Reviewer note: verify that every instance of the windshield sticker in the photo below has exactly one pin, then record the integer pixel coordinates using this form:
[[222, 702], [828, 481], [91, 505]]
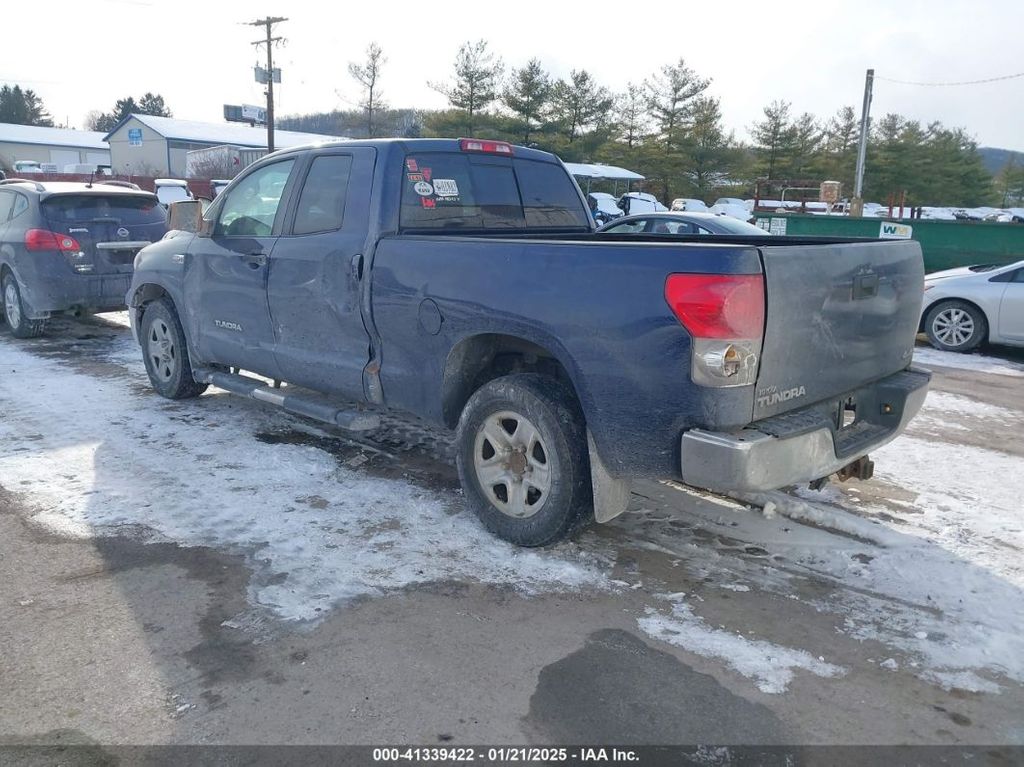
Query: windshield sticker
[[414, 177], [426, 173], [428, 202], [446, 187], [410, 163], [423, 189]]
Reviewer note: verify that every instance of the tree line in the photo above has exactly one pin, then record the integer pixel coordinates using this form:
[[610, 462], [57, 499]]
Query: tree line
[[669, 127]]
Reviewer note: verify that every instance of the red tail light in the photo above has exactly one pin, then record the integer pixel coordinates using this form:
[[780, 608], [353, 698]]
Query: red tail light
[[489, 147], [718, 305], [44, 240]]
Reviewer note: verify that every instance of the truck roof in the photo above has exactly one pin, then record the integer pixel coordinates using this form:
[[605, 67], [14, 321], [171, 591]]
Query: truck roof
[[407, 145]]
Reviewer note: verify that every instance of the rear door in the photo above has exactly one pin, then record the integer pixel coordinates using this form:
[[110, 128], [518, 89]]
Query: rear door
[[316, 273], [226, 271], [837, 317]]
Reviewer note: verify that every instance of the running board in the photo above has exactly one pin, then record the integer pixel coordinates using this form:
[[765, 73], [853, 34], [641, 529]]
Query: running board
[[351, 420]]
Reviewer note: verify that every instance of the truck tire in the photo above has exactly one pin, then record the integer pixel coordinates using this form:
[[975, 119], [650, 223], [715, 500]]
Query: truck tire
[[955, 326], [523, 461], [165, 352], [14, 311]]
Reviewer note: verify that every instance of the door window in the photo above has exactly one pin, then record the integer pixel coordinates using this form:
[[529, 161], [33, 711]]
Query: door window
[[628, 227], [20, 205], [252, 204], [321, 205]]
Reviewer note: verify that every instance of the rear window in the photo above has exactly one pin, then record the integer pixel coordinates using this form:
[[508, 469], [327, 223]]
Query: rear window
[[457, 191], [83, 208]]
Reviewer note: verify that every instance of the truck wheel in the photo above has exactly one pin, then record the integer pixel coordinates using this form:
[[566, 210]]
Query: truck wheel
[[522, 458], [166, 353], [14, 311], [955, 326]]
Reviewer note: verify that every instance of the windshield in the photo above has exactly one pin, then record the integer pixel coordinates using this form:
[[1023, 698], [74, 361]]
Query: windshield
[[458, 191], [127, 209]]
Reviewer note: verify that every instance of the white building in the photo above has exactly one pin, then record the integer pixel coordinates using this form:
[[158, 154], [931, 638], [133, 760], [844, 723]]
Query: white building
[[59, 146], [143, 145]]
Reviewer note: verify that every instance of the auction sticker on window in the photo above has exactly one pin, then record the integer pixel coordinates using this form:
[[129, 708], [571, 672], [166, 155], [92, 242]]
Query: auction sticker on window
[[446, 187], [423, 189]]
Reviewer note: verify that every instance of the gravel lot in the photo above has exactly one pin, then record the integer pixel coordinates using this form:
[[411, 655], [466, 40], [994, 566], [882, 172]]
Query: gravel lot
[[214, 571]]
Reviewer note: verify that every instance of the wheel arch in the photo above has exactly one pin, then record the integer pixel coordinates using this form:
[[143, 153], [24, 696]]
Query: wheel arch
[[476, 359]]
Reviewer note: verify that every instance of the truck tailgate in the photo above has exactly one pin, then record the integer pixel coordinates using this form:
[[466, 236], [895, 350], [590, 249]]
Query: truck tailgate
[[837, 317]]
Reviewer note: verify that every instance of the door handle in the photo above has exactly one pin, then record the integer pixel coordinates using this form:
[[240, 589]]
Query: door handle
[[256, 260], [356, 267]]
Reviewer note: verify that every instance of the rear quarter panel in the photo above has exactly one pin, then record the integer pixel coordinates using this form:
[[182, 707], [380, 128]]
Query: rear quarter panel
[[598, 307]]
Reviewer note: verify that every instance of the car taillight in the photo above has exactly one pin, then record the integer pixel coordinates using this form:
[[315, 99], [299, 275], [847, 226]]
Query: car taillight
[[45, 240], [725, 315], [489, 147]]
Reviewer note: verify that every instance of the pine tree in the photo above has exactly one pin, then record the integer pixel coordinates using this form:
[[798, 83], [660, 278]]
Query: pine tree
[[773, 139], [22, 107], [631, 115], [580, 103], [527, 95], [709, 151], [669, 98], [475, 83]]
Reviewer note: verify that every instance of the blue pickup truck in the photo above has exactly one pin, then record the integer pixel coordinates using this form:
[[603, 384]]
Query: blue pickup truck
[[463, 281]]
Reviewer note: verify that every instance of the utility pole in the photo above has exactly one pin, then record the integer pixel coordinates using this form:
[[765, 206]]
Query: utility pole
[[269, 41], [857, 205]]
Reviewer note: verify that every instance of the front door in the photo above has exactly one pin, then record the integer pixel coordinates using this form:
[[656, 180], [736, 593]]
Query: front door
[[226, 272], [316, 274]]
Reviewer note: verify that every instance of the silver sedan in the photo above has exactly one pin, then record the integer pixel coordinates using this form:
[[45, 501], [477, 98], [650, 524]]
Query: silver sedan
[[969, 305]]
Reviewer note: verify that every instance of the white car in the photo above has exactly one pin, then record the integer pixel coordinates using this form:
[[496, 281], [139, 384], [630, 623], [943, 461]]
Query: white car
[[689, 204], [966, 306], [741, 211]]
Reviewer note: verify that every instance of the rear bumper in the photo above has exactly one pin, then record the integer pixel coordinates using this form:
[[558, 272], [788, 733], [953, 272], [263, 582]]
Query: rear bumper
[[806, 444], [44, 294]]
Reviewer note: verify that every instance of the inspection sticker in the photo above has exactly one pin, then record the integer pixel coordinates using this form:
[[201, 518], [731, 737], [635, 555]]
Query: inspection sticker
[[423, 189], [446, 187]]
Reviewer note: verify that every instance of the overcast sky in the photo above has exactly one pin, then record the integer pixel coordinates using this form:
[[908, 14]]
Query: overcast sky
[[85, 54]]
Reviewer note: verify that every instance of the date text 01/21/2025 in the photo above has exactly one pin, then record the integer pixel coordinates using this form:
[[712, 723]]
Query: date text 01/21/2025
[[502, 754]]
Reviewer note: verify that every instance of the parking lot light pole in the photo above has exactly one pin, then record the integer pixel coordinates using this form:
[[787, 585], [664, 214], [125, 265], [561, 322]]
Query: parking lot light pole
[[857, 204]]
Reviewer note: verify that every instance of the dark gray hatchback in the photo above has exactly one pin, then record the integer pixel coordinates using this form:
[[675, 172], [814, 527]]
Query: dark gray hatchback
[[70, 247]]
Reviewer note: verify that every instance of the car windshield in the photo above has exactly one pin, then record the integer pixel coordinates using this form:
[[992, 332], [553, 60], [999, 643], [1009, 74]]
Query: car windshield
[[82, 208], [458, 191]]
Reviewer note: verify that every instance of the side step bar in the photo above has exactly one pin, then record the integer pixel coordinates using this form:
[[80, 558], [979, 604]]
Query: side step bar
[[352, 420]]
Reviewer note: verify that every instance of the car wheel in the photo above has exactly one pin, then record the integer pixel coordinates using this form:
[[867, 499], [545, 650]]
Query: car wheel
[[14, 311], [165, 352], [955, 326], [522, 459]]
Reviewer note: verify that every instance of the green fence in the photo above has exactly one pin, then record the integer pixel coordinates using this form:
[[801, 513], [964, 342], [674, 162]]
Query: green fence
[[945, 244]]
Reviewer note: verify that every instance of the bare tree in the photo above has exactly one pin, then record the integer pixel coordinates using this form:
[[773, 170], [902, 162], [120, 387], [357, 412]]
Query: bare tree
[[368, 76]]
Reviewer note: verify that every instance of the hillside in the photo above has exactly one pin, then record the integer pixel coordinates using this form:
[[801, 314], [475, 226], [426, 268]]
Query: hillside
[[995, 159]]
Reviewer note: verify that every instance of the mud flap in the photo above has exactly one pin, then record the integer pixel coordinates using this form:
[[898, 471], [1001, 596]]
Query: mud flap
[[611, 495]]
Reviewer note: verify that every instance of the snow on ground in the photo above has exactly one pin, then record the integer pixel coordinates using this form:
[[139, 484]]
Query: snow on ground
[[769, 665], [95, 458], [981, 363]]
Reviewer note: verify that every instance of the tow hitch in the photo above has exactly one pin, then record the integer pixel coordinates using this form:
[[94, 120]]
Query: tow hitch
[[862, 468]]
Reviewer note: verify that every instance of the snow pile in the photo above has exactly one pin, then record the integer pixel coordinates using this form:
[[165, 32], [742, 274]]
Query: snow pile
[[104, 458], [769, 665], [980, 363]]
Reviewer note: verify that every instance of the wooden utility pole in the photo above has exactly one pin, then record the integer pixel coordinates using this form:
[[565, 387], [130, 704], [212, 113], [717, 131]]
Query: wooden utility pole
[[269, 41]]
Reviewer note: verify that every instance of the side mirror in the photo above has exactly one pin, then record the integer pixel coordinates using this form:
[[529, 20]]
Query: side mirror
[[186, 216]]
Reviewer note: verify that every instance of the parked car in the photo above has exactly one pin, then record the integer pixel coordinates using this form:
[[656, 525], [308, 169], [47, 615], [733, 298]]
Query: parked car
[[31, 167], [969, 305], [568, 362], [170, 190], [690, 204], [737, 210], [682, 223], [69, 247], [603, 207], [639, 202]]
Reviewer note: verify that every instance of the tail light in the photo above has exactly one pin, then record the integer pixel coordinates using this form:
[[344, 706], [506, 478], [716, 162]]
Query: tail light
[[724, 313], [43, 241], [488, 147]]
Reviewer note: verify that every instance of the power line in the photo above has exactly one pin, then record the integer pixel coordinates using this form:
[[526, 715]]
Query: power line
[[942, 85]]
